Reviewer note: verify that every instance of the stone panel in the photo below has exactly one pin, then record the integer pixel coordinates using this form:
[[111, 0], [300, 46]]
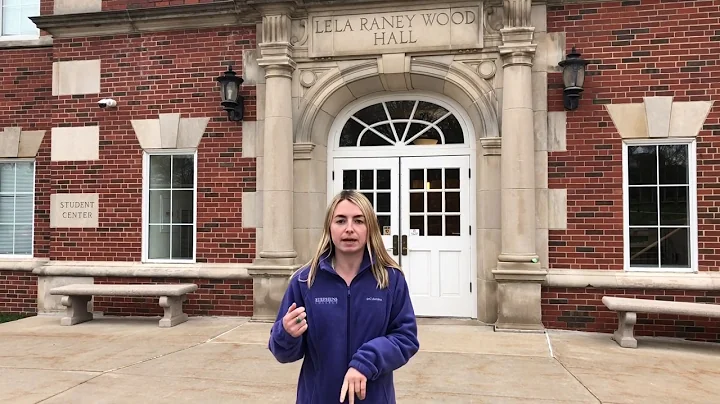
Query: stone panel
[[74, 210], [76, 77], [75, 143], [77, 6], [9, 142], [412, 30]]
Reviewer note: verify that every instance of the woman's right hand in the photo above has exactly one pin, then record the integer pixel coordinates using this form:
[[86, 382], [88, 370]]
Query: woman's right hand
[[292, 325]]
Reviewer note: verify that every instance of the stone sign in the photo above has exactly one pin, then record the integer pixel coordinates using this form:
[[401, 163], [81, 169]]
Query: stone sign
[[74, 210], [438, 29]]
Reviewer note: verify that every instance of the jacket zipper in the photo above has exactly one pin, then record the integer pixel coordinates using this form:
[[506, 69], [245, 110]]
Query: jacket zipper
[[347, 330]]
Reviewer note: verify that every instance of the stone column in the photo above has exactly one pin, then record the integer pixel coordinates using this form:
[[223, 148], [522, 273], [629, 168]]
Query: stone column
[[271, 270], [519, 274]]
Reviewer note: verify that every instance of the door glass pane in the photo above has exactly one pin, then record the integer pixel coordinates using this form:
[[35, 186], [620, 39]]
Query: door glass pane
[[417, 179], [675, 248], [434, 179], [452, 225], [434, 201], [383, 179], [367, 179], [371, 197], [349, 179], [384, 223], [452, 178], [417, 202], [435, 225], [674, 206], [644, 247], [383, 202], [417, 223], [452, 201]]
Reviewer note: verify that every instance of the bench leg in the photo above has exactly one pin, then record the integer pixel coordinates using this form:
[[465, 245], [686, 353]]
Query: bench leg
[[173, 311], [76, 311], [626, 326]]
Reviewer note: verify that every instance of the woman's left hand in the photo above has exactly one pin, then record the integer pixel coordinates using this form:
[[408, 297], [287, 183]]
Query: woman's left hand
[[353, 384]]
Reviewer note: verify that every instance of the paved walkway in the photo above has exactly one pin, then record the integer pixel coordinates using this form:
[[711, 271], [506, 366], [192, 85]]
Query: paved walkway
[[225, 360]]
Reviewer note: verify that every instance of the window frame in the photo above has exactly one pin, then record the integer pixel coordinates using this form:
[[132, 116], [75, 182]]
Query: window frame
[[146, 204], [4, 37], [691, 144], [34, 194]]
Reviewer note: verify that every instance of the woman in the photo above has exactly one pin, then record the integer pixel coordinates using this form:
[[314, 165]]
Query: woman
[[355, 296]]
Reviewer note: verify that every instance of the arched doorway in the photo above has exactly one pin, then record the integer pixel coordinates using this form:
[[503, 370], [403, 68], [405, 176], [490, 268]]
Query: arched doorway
[[412, 154]]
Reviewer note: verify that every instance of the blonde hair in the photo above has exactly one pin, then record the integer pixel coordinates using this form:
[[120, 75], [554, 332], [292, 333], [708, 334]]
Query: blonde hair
[[379, 258]]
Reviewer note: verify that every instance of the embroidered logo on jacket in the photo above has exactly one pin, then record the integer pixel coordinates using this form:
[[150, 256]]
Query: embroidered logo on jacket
[[326, 300], [374, 299]]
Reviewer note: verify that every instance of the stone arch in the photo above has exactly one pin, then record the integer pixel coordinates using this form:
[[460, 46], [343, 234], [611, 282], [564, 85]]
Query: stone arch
[[346, 82]]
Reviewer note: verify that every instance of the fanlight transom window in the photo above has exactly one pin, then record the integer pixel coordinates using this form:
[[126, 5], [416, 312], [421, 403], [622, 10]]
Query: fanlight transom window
[[402, 123]]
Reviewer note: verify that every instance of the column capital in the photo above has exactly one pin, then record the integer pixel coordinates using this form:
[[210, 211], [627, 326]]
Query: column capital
[[522, 55]]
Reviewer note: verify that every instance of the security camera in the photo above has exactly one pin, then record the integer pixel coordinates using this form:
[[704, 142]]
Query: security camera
[[107, 102]]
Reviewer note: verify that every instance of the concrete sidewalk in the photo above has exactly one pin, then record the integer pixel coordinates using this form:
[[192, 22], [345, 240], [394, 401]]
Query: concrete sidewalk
[[225, 360]]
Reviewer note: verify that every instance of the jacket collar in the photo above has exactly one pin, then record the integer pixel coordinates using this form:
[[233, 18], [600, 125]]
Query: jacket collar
[[326, 262]]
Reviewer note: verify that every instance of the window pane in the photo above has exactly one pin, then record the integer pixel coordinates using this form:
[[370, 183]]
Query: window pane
[[429, 112], [643, 206], [159, 207], [23, 240], [7, 209], [370, 138], [372, 114], [418, 223], [182, 242], [6, 239], [429, 137], [182, 206], [400, 109], [11, 23], [24, 180], [23, 209], [183, 169], [675, 248], [674, 206], [383, 202], [383, 179], [160, 171], [7, 177], [349, 179], [159, 242], [642, 165], [452, 225], [350, 133], [435, 224], [643, 247], [673, 160], [452, 131], [367, 179]]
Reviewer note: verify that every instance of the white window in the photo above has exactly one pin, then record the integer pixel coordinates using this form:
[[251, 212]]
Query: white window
[[14, 18], [169, 206], [17, 185], [660, 205]]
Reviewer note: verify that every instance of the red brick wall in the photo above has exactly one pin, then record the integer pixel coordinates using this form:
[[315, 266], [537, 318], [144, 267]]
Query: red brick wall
[[214, 297], [18, 292], [130, 4], [637, 48], [148, 74], [582, 309]]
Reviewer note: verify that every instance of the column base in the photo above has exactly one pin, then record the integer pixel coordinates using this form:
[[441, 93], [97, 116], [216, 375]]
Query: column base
[[519, 296], [270, 281]]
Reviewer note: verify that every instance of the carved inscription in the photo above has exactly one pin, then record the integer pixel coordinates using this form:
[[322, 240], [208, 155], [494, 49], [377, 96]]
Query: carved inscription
[[432, 29], [73, 210]]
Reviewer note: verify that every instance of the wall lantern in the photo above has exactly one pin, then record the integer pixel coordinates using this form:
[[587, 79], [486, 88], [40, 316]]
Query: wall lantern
[[573, 78], [232, 101]]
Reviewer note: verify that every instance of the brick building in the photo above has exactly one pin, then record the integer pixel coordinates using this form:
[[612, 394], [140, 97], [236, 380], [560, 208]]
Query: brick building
[[501, 203]]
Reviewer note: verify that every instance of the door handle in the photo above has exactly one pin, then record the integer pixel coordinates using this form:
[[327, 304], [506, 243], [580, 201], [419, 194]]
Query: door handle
[[395, 245], [404, 245]]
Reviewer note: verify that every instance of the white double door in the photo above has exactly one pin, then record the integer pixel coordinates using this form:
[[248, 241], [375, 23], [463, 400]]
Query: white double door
[[423, 206]]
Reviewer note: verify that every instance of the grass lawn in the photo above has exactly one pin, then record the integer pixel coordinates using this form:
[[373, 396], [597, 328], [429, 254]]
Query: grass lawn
[[7, 317]]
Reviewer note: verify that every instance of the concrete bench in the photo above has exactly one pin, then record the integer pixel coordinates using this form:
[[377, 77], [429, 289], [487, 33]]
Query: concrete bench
[[76, 298], [627, 310]]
